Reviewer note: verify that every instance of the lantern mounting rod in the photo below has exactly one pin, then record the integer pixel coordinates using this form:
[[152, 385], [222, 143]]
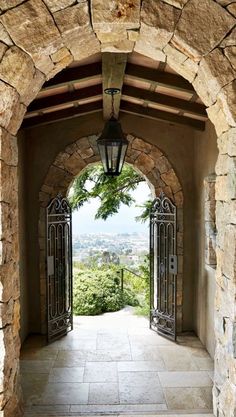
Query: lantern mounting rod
[[112, 91]]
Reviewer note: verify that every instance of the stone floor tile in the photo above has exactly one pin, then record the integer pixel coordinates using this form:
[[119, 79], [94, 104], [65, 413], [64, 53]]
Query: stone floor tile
[[109, 331], [141, 394], [211, 375], [104, 355], [173, 414], [134, 366], [103, 393], [189, 340], [149, 353], [177, 360], [124, 409], [47, 410], [188, 399], [106, 341], [65, 393], [70, 358], [80, 333], [139, 378], [33, 387], [35, 366], [204, 364], [35, 341], [205, 414], [100, 372], [197, 352], [112, 342], [81, 344], [185, 379], [66, 375], [152, 339], [41, 354]]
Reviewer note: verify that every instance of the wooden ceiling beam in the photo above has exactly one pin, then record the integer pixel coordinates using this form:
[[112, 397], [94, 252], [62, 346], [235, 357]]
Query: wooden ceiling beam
[[158, 98], [160, 115], [165, 79], [74, 74], [113, 71], [124, 107], [43, 103], [63, 114]]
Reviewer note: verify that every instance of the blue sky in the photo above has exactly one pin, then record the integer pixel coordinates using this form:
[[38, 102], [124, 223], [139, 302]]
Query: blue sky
[[122, 222]]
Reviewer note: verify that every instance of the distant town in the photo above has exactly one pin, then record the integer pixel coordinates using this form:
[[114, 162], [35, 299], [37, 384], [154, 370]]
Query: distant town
[[124, 248]]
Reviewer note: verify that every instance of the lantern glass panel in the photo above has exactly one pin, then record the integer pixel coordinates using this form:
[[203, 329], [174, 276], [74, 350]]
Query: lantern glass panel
[[112, 146]]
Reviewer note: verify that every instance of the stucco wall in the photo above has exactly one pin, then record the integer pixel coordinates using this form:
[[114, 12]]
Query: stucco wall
[[205, 159], [42, 144]]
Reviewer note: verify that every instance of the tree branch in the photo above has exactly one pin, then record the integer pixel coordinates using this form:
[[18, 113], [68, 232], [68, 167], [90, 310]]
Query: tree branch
[[130, 184]]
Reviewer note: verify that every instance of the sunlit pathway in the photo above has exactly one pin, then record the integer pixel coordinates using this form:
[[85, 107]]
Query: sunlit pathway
[[114, 364]]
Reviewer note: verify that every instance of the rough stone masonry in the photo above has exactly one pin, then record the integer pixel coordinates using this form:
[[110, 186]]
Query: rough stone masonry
[[197, 39]]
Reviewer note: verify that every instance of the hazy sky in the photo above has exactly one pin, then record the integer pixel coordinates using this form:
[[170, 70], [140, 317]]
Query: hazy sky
[[123, 222]]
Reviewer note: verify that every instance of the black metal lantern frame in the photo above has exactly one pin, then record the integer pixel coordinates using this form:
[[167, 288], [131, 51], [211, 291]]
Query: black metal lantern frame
[[112, 144]]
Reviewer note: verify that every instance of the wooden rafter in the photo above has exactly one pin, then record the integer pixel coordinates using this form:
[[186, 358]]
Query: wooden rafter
[[65, 98], [74, 74], [160, 115], [124, 107], [166, 79], [162, 99], [113, 70], [63, 114]]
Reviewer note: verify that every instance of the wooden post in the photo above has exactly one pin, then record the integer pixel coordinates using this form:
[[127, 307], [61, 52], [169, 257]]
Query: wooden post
[[113, 70]]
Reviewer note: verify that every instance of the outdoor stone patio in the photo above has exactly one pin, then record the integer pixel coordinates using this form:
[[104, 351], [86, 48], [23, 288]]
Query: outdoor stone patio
[[114, 364]]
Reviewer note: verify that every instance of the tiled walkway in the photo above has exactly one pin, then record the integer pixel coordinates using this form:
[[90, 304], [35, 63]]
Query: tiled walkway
[[114, 364]]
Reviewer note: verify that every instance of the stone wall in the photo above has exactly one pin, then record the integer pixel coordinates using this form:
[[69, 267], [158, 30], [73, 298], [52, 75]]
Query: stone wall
[[210, 220], [144, 157], [197, 39]]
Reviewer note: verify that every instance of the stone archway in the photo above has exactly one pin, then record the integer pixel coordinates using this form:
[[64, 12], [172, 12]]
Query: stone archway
[[149, 161], [196, 38]]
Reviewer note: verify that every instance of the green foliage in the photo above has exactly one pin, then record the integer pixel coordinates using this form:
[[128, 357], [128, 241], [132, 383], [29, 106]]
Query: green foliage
[[141, 286], [144, 216], [112, 191], [143, 310], [97, 291]]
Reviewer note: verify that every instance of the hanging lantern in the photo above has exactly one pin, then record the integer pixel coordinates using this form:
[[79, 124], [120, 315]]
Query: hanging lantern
[[112, 144]]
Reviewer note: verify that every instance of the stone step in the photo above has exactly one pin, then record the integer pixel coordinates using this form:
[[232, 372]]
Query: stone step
[[173, 413]]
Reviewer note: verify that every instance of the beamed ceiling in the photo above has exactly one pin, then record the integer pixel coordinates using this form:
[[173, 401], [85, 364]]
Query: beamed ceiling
[[148, 88]]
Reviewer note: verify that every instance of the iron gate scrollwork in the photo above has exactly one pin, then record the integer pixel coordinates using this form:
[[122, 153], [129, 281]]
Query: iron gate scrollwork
[[59, 268], [163, 267]]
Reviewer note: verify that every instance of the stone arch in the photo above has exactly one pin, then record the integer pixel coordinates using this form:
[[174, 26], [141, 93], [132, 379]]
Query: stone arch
[[148, 159], [196, 38]]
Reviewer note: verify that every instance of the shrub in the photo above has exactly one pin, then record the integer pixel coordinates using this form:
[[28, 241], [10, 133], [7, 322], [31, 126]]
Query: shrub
[[98, 291]]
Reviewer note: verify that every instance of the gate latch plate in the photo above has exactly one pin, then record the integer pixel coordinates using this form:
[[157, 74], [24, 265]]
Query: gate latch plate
[[173, 264]]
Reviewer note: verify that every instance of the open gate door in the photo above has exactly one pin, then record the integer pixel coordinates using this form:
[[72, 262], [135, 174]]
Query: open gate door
[[59, 268], [163, 267]]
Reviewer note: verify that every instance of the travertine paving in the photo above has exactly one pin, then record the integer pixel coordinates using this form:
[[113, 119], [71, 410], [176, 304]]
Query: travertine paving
[[114, 364]]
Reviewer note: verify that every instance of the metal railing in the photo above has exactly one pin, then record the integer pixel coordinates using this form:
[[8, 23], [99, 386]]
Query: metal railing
[[122, 274]]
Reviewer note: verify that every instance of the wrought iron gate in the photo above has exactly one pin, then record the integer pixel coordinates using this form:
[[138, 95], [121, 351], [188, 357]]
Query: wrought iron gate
[[59, 268], [163, 267]]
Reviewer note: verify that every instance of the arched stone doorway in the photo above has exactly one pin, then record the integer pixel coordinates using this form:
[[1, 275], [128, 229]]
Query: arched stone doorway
[[198, 40], [149, 161]]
